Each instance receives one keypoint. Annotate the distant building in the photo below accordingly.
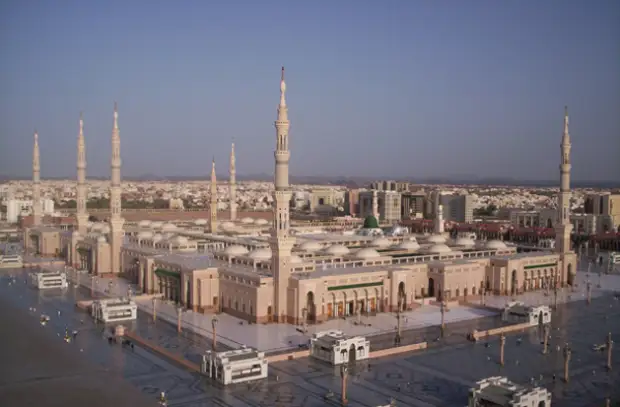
(390, 186)
(500, 392)
(16, 208)
(323, 201)
(176, 203)
(458, 208)
(388, 205)
(606, 207)
(352, 202)
(412, 205)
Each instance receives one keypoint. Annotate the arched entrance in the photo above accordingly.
(310, 308)
(402, 297)
(513, 284)
(352, 354)
(570, 277)
(431, 287)
(269, 313)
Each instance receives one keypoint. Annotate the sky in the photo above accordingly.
(393, 88)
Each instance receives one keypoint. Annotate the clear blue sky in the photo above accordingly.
(399, 88)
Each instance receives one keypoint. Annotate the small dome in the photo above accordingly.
(89, 224)
(296, 259)
(495, 245)
(178, 240)
(380, 242)
(168, 227)
(310, 246)
(260, 254)
(235, 250)
(437, 239)
(367, 253)
(145, 234)
(247, 221)
(337, 250)
(408, 245)
(97, 227)
(75, 233)
(227, 225)
(371, 222)
(157, 224)
(439, 248)
(465, 242)
(102, 239)
(157, 237)
(105, 229)
(144, 223)
(200, 222)
(261, 222)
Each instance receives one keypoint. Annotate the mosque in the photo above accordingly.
(284, 272)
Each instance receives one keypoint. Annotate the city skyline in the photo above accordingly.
(355, 115)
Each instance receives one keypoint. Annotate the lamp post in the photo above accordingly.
(397, 339)
(567, 354)
(545, 339)
(443, 314)
(359, 314)
(304, 316)
(589, 288)
(179, 318)
(344, 372)
(502, 345)
(214, 322)
(555, 295)
(610, 344)
(154, 309)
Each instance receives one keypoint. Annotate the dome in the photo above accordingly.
(367, 253)
(157, 224)
(227, 225)
(97, 226)
(260, 254)
(105, 229)
(157, 237)
(235, 250)
(200, 222)
(247, 221)
(337, 250)
(371, 222)
(464, 241)
(102, 239)
(145, 234)
(310, 246)
(168, 227)
(296, 259)
(75, 233)
(495, 245)
(261, 222)
(408, 245)
(380, 242)
(178, 240)
(439, 248)
(144, 223)
(89, 224)
(437, 239)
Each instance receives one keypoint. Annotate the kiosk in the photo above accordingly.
(114, 310)
(235, 366)
(336, 348)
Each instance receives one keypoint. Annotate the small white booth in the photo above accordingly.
(114, 310)
(235, 366)
(517, 312)
(11, 261)
(499, 391)
(45, 279)
(336, 348)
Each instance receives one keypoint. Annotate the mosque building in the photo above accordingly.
(285, 272)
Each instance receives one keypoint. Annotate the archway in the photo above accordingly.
(352, 354)
(513, 284)
(310, 307)
(402, 297)
(269, 314)
(549, 224)
(431, 287)
(542, 403)
(570, 278)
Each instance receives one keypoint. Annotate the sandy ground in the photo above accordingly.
(37, 370)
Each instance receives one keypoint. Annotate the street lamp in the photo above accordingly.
(214, 322)
(397, 339)
(304, 316)
(344, 372)
(443, 312)
(179, 318)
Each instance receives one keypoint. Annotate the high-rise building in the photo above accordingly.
(606, 207)
(457, 208)
(384, 205)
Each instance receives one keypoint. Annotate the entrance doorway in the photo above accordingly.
(513, 284)
(352, 354)
(570, 278)
(402, 297)
(431, 287)
(310, 308)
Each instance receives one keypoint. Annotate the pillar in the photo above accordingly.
(610, 345)
(502, 344)
(567, 355)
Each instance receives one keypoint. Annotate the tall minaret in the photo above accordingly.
(116, 221)
(213, 206)
(281, 242)
(36, 182)
(439, 225)
(563, 225)
(81, 215)
(375, 205)
(233, 184)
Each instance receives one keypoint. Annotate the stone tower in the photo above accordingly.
(439, 225)
(36, 182)
(116, 221)
(563, 225)
(233, 184)
(281, 241)
(213, 205)
(81, 213)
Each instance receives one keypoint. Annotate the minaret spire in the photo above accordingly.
(213, 205)
(81, 213)
(233, 184)
(116, 221)
(281, 241)
(36, 182)
(563, 224)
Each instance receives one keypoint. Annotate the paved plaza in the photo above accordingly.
(440, 376)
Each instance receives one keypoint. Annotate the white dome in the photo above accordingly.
(495, 245)
(105, 229)
(178, 240)
(464, 241)
(89, 224)
(367, 253)
(168, 227)
(296, 259)
(227, 225)
(157, 237)
(97, 227)
(310, 246)
(437, 239)
(75, 233)
(145, 235)
(261, 222)
(439, 248)
(408, 245)
(200, 222)
(260, 254)
(157, 224)
(247, 221)
(101, 239)
(235, 250)
(380, 242)
(144, 223)
(337, 250)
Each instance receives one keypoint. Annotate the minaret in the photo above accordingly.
(233, 185)
(439, 225)
(81, 214)
(36, 182)
(116, 221)
(281, 242)
(213, 206)
(563, 225)
(375, 205)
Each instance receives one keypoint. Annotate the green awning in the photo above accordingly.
(83, 250)
(167, 273)
(352, 286)
(537, 266)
